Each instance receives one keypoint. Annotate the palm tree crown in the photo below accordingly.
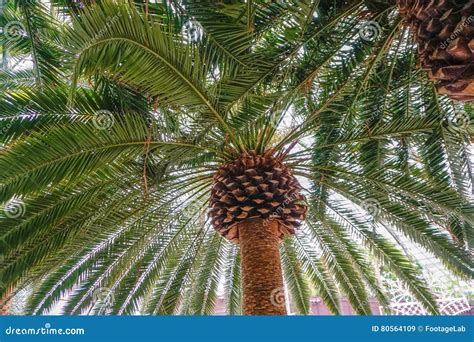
(121, 114)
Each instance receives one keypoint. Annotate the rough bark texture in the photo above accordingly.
(261, 268)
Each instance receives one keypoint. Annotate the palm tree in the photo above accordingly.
(445, 36)
(158, 152)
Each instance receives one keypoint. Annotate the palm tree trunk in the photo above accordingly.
(4, 307)
(262, 277)
(4, 310)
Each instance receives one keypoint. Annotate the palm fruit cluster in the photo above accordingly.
(444, 31)
(255, 186)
